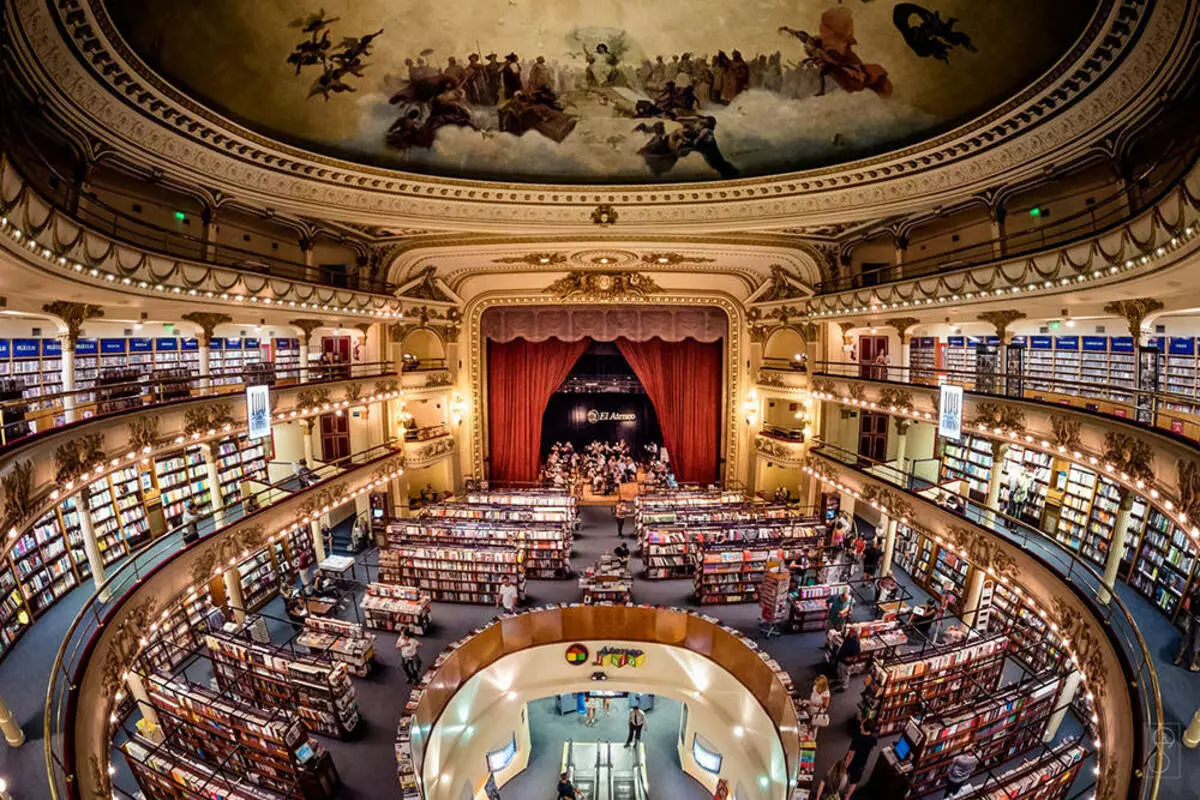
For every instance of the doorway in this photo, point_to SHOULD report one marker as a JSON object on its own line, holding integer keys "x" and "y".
{"x": 335, "y": 437}
{"x": 872, "y": 436}
{"x": 869, "y": 349}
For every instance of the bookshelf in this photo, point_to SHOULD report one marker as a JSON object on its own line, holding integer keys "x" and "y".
{"x": 529, "y": 497}
{"x": 342, "y": 641}
{"x": 874, "y": 636}
{"x": 165, "y": 772}
{"x": 1034, "y": 644}
{"x": 318, "y": 688}
{"x": 287, "y": 359}
{"x": 453, "y": 574}
{"x": 42, "y": 563}
{"x": 260, "y": 579}
{"x": 607, "y": 581}
{"x": 922, "y": 358}
{"x": 731, "y": 572}
{"x": 930, "y": 680}
{"x": 234, "y": 736}
{"x": 68, "y": 514}
{"x": 970, "y": 461}
{"x": 238, "y": 460}
{"x": 994, "y": 727}
{"x": 480, "y": 512}
{"x": 178, "y": 636}
{"x": 181, "y": 477}
{"x": 14, "y": 616}
{"x": 1164, "y": 563}
{"x": 389, "y": 607}
{"x": 1034, "y": 466}
{"x": 810, "y": 605}
{"x": 906, "y": 548}
{"x": 545, "y": 547}
{"x": 1102, "y": 523}
{"x": 1076, "y": 505}
{"x": 1045, "y": 776}
{"x": 105, "y": 523}
{"x": 1067, "y": 362}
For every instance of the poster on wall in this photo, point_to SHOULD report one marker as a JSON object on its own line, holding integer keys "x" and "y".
{"x": 258, "y": 412}
{"x": 950, "y": 408}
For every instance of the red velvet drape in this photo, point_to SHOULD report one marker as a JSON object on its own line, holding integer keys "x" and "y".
{"x": 683, "y": 380}
{"x": 521, "y": 377}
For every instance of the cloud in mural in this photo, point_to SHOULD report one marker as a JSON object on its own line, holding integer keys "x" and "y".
{"x": 803, "y": 131}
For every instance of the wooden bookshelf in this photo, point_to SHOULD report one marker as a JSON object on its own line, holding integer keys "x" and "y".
{"x": 545, "y": 547}
{"x": 995, "y": 727}
{"x": 318, "y": 688}
{"x": 340, "y": 640}
{"x": 393, "y": 608}
{"x": 930, "y": 680}
{"x": 454, "y": 574}
{"x": 607, "y": 581}
{"x": 874, "y": 636}
{"x": 1045, "y": 776}
{"x": 810, "y": 605}
{"x": 732, "y": 572}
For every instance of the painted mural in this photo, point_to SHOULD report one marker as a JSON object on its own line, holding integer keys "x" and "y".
{"x": 601, "y": 91}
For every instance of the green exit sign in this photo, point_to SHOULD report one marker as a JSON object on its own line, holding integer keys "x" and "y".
{"x": 1054, "y": 325}
{"x": 1035, "y": 212}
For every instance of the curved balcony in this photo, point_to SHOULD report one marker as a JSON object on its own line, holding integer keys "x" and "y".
{"x": 35, "y": 230}
{"x": 117, "y": 622}
{"x": 1149, "y": 460}
{"x": 1133, "y": 242}
{"x": 1099, "y": 630}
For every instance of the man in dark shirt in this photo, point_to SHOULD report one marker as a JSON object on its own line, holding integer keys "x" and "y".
{"x": 1191, "y": 637}
{"x": 862, "y": 744}
{"x": 849, "y": 650}
{"x": 566, "y": 790}
{"x": 622, "y": 554}
{"x": 871, "y": 558}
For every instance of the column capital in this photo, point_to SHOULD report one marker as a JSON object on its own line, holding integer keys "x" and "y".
{"x": 1134, "y": 311}
{"x": 1001, "y": 319}
{"x": 902, "y": 326}
{"x": 207, "y": 322}
{"x": 307, "y": 326}
{"x": 74, "y": 315}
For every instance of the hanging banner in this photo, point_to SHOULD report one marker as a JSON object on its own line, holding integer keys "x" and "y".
{"x": 258, "y": 412}
{"x": 950, "y": 408}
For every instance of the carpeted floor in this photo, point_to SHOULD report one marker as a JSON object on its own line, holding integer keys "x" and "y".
{"x": 367, "y": 763}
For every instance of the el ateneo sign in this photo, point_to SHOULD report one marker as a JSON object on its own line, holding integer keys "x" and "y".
{"x": 595, "y": 416}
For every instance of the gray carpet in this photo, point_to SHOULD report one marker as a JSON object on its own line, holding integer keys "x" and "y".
{"x": 367, "y": 764}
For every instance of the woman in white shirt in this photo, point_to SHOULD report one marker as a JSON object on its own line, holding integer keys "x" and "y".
{"x": 818, "y": 702}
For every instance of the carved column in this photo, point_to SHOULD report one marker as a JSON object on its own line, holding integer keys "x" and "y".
{"x": 1116, "y": 546}
{"x": 306, "y": 326}
{"x": 9, "y": 726}
{"x": 318, "y": 541}
{"x": 1135, "y": 312}
{"x": 137, "y": 690}
{"x": 997, "y": 217}
{"x": 233, "y": 594}
{"x": 210, "y": 230}
{"x": 900, "y": 246}
{"x": 995, "y": 478}
{"x": 902, "y": 426}
{"x": 902, "y": 326}
{"x": 973, "y": 596}
{"x": 889, "y": 547}
{"x": 1001, "y": 320}
{"x": 307, "y": 248}
{"x": 306, "y": 426}
{"x": 207, "y": 322}
{"x": 90, "y": 546}
{"x": 214, "y": 483}
{"x": 1066, "y": 696}
{"x": 73, "y": 315}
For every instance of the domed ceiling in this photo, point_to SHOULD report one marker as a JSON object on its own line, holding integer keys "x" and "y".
{"x": 601, "y": 91}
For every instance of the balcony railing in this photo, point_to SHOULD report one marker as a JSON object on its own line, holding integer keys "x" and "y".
{"x": 1106, "y": 606}
{"x": 24, "y": 419}
{"x": 73, "y": 653}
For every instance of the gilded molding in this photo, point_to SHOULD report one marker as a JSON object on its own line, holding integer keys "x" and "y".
{"x": 74, "y": 315}
{"x": 1134, "y": 311}
{"x": 314, "y": 396}
{"x": 1001, "y": 319}
{"x": 983, "y": 550}
{"x": 143, "y": 432}
{"x": 535, "y": 259}
{"x": 999, "y": 415}
{"x": 307, "y": 326}
{"x": 211, "y": 417}
{"x": 1066, "y": 431}
{"x": 18, "y": 490}
{"x": 207, "y": 322}
{"x": 902, "y": 326}
{"x": 1189, "y": 487}
{"x": 78, "y": 456}
{"x": 603, "y": 287}
{"x": 1130, "y": 455}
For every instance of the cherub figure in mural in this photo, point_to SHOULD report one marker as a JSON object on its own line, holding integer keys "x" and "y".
{"x": 832, "y": 54}
{"x": 691, "y": 135}
{"x": 927, "y": 33}
{"x": 336, "y": 63}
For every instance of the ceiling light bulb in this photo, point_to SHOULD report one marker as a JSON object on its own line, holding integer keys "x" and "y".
{"x": 1070, "y": 323}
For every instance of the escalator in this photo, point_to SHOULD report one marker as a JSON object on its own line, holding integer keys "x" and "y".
{"x": 606, "y": 770}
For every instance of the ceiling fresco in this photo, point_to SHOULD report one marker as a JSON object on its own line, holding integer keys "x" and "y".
{"x": 601, "y": 91}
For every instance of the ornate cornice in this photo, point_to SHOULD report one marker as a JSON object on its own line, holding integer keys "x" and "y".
{"x": 603, "y": 287}
{"x": 1134, "y": 311}
{"x": 1070, "y": 106}
{"x": 902, "y": 326}
{"x": 1001, "y": 319}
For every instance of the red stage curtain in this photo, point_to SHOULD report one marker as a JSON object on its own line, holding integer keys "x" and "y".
{"x": 683, "y": 380}
{"x": 521, "y": 377}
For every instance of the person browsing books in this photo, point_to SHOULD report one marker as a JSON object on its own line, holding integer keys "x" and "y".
{"x": 507, "y": 598}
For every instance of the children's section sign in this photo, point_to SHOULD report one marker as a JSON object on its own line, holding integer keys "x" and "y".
{"x": 619, "y": 657}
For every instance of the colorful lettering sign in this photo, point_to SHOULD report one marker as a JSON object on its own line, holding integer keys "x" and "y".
{"x": 619, "y": 657}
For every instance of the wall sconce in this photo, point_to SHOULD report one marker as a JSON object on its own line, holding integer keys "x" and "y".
{"x": 750, "y": 407}
{"x": 458, "y": 408}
